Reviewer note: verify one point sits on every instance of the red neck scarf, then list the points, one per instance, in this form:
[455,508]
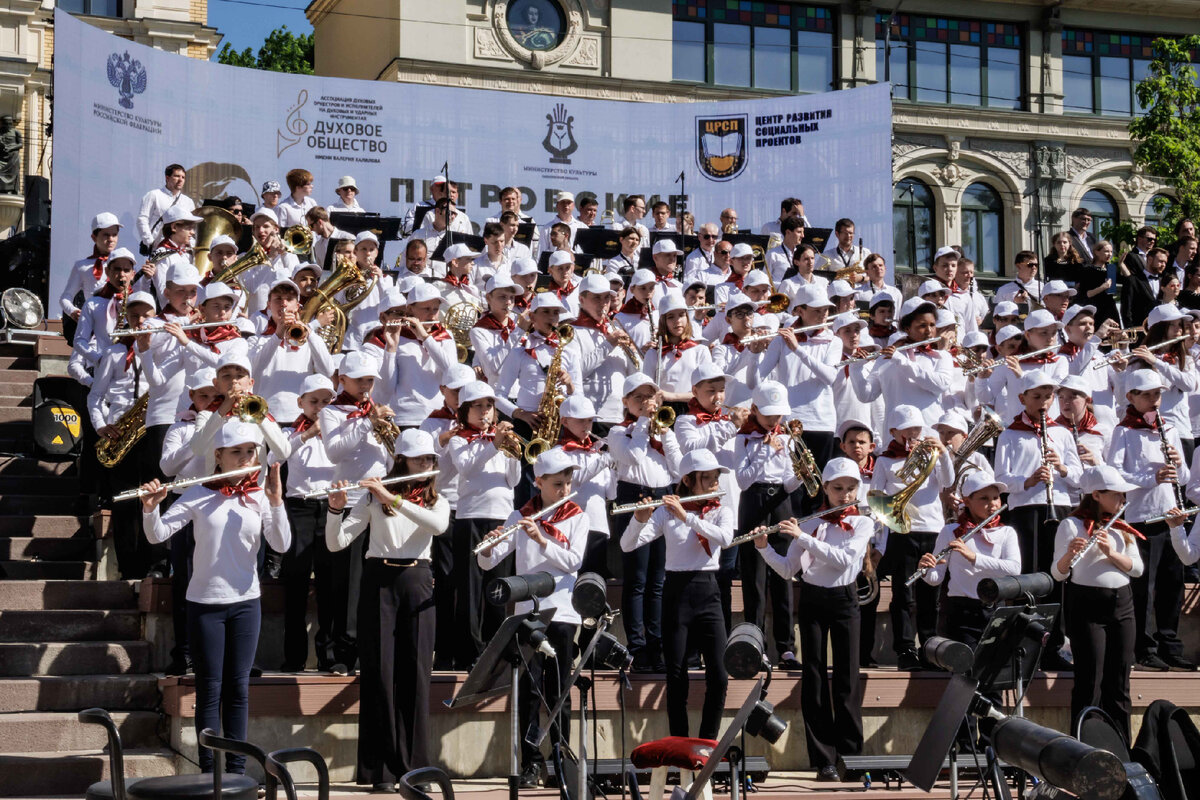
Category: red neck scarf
[704,417]
[271,326]
[838,518]
[965,524]
[458,281]
[678,349]
[435,330]
[562,292]
[896,449]
[213,336]
[302,424]
[1146,422]
[951,285]
[751,427]
[669,280]
[551,341]
[108,292]
[1070,350]
[167,244]
[867,470]
[1090,525]
[735,340]
[362,408]
[560,514]
[129,343]
[471,433]
[1022,422]
[416,495]
[586,321]
[634,306]
[241,490]
[1085,425]
[375,337]
[1044,358]
[443,413]
[736,280]
[655,443]
[700,508]
[98,266]
[877,331]
[568,442]
[488,322]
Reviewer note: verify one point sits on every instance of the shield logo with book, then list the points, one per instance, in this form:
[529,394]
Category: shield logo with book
[721,146]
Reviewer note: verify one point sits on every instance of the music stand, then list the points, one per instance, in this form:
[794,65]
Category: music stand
[817,237]
[718,753]
[386,229]
[498,670]
[602,243]
[476,243]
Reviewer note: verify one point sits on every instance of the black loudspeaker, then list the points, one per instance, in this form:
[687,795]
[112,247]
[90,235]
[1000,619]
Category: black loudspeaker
[58,423]
[37,201]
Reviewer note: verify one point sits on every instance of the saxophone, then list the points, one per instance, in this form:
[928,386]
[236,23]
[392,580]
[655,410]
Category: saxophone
[546,435]
[132,425]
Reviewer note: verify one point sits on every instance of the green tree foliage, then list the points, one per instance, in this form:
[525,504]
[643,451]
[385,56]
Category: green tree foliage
[283,51]
[1168,134]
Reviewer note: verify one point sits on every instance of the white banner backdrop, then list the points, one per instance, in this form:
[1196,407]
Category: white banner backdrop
[123,111]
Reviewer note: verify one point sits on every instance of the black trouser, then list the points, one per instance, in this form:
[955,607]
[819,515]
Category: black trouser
[822,445]
[693,622]
[524,489]
[1101,625]
[136,556]
[643,572]
[829,621]
[963,618]
[183,544]
[397,623]
[224,637]
[766,504]
[444,597]
[866,631]
[1160,587]
[1035,536]
[727,572]
[913,608]
[595,556]
[309,556]
[550,683]
[475,620]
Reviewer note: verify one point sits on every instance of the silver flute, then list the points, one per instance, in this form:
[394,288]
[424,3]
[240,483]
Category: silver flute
[945,551]
[900,349]
[1095,537]
[328,490]
[511,529]
[629,508]
[1021,357]
[134,494]
[191,326]
[767,531]
[766,337]
[1111,358]
[1187,512]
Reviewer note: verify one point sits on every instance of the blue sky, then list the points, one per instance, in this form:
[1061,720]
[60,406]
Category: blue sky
[244,25]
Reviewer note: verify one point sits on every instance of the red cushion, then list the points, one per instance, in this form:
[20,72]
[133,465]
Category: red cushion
[673,751]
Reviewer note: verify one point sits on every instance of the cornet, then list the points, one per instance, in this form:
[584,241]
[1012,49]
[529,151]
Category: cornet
[1023,357]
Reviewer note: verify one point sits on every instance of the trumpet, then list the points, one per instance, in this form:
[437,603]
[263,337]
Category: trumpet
[513,445]
[900,349]
[662,420]
[629,508]
[1111,358]
[770,529]
[134,494]
[295,334]
[804,466]
[511,529]
[1095,537]
[320,494]
[250,408]
[1023,357]
[945,551]
[192,326]
[1187,512]
[777,301]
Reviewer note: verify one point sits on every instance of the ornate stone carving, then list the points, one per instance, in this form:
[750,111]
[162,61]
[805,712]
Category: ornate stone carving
[951,216]
[540,59]
[1137,183]
[949,174]
[1085,159]
[1051,162]
[1012,154]
[953,147]
[486,46]
[587,55]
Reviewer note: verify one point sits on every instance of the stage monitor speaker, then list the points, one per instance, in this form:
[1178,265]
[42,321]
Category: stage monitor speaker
[37,201]
[57,422]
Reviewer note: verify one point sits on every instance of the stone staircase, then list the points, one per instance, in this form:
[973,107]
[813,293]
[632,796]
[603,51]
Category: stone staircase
[69,640]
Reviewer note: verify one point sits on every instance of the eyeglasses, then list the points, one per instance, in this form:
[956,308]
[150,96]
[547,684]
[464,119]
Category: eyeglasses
[708,236]
[724,251]
[739,313]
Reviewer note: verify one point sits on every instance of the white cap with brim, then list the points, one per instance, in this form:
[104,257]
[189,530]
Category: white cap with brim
[1103,478]
[840,467]
[1006,308]
[423,293]
[974,339]
[1057,287]
[914,305]
[641,277]
[201,379]
[552,462]
[932,287]
[945,251]
[741,250]
[811,295]
[1143,380]
[672,301]
[235,432]
[737,300]
[840,288]
[1036,378]
[121,254]
[547,300]
[183,275]
[358,365]
[1040,319]
[1074,311]
[524,266]
[475,390]
[665,246]
[636,381]
[502,280]
[560,257]
[233,358]
[904,417]
[1006,333]
[178,213]
[956,420]
[1167,312]
[847,320]
[346,182]
[700,461]
[978,481]
[881,297]
[142,297]
[771,398]
[105,219]
[945,319]
[267,213]
[755,277]
[459,376]
[222,241]
[596,284]
[392,298]
[414,443]
[577,407]
[849,423]
[365,236]
[275,284]
[316,383]
[457,251]
[1076,383]
[707,371]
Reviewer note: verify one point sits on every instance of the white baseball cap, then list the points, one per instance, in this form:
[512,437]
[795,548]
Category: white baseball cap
[672,301]
[1103,478]
[841,288]
[840,467]
[945,251]
[1057,287]
[142,297]
[755,277]
[283,282]
[1143,380]
[811,295]
[740,250]
[636,381]
[1167,312]
[979,480]
[201,378]
[365,236]
[1040,319]
[263,211]
[905,416]
[183,275]
[235,432]
[561,196]
[178,213]
[122,254]
[1006,333]
[771,398]
[665,246]
[932,287]
[219,240]
[105,219]
[849,423]
[553,462]
[577,406]
[881,297]
[917,304]
[846,320]
[700,461]
[641,277]
[524,266]
[392,298]
[547,300]
[423,293]
[414,443]
[974,339]
[1036,378]
[736,300]
[707,371]
[457,251]
[317,382]
[1074,311]
[233,358]
[475,390]
[956,420]
[596,284]
[459,376]
[1006,308]
[503,280]
[356,364]
[1076,383]
[560,257]
[945,318]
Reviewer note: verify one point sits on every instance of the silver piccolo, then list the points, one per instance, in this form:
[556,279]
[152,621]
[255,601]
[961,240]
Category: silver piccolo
[1095,537]
[328,490]
[945,551]
[900,349]
[766,337]
[1187,512]
[1111,358]
[134,494]
[767,531]
[1021,357]
[629,508]
[191,326]
[511,529]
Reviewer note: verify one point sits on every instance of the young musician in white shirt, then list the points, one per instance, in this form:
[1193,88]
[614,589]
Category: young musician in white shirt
[300,187]
[595,478]
[495,335]
[88,273]
[417,357]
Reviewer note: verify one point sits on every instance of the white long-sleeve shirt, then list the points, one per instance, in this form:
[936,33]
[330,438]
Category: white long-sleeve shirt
[407,534]
[81,279]
[636,459]
[154,204]
[228,532]
[685,539]
[486,477]
[603,367]
[279,369]
[114,388]
[209,424]
[997,553]
[756,461]
[1019,455]
[309,466]
[595,481]
[677,369]
[808,373]
[352,446]
[1137,454]
[411,379]
[918,378]
[825,554]
[1094,569]
[1186,543]
[925,508]
[179,461]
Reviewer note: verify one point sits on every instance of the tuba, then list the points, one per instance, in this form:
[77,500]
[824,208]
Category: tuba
[892,510]
[459,319]
[803,464]
[215,221]
[346,276]
[132,425]
[546,435]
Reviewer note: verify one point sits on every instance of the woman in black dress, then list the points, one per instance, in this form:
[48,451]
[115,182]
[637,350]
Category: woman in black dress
[1062,263]
[1093,284]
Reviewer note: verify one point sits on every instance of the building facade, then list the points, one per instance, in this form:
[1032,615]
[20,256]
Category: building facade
[27,61]
[1007,114]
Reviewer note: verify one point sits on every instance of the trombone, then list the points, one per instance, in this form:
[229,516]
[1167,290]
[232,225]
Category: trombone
[193,326]
[770,529]
[511,529]
[320,494]
[629,508]
[1111,358]
[133,494]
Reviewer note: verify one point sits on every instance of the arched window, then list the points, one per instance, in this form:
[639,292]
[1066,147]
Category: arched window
[982,227]
[912,225]
[1157,209]
[1104,211]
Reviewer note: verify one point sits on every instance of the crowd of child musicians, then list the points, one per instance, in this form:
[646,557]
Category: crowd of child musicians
[1086,430]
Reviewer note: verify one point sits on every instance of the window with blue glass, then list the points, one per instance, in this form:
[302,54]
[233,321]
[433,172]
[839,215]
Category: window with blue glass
[1101,71]
[912,225]
[94,8]
[956,61]
[772,46]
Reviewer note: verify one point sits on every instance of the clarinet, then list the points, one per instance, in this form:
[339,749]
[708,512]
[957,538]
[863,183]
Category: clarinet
[1053,513]
[1166,451]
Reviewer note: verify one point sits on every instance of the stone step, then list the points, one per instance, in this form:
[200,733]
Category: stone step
[29,659]
[17,467]
[25,503]
[77,692]
[54,773]
[18,359]
[15,378]
[50,595]
[61,486]
[49,526]
[15,400]
[34,549]
[15,414]
[46,731]
[48,570]
[69,626]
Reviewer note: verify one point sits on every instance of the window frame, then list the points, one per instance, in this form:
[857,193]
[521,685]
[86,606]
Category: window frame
[89,9]
[1096,58]
[910,209]
[977,225]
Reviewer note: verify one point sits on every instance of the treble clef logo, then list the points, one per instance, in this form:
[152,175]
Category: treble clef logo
[294,127]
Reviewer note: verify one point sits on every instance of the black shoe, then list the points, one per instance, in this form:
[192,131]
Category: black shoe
[1151,663]
[908,661]
[1179,663]
[273,567]
[339,669]
[178,666]
[293,668]
[530,777]
[790,664]
[828,774]
[1054,662]
[869,663]
[694,662]
[383,788]
[255,671]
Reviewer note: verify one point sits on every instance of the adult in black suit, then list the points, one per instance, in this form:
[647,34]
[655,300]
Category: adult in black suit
[1135,259]
[1083,241]
[1140,288]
